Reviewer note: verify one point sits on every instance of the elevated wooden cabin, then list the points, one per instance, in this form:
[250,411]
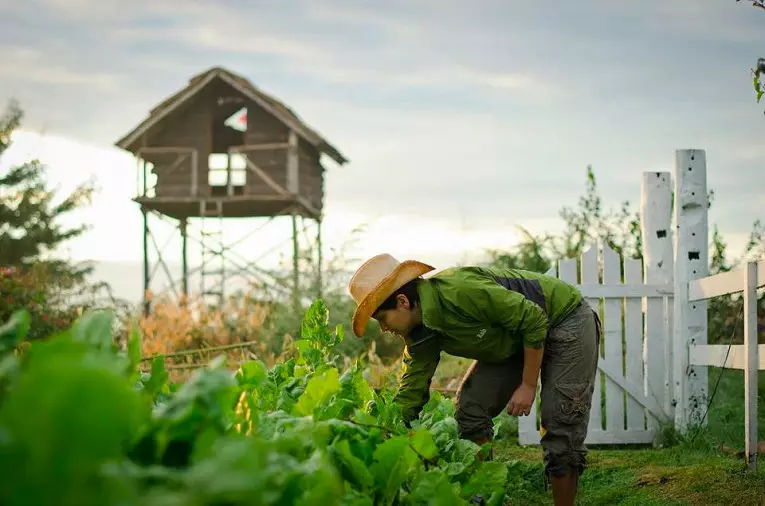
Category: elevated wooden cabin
[222,147]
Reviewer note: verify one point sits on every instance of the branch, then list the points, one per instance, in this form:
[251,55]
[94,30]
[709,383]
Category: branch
[760,4]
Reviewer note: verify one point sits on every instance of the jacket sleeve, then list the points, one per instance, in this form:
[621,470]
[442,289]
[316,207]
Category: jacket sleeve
[493,303]
[420,363]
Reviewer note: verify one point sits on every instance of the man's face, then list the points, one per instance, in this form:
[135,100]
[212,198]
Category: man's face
[399,320]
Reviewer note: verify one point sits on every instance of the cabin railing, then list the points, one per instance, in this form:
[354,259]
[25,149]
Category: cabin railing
[183,155]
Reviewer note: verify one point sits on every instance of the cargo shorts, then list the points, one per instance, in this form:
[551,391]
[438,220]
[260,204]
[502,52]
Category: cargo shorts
[568,372]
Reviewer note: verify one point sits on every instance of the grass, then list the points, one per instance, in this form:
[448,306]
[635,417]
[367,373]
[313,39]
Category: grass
[694,469]
[674,476]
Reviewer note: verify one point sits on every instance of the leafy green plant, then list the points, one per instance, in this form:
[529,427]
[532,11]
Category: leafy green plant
[81,425]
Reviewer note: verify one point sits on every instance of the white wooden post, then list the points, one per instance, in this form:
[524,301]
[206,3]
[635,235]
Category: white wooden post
[691,254]
[751,365]
[658,262]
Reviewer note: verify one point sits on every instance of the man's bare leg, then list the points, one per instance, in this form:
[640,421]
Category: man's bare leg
[564,489]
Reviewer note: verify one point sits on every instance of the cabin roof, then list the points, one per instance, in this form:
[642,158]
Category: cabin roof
[197,83]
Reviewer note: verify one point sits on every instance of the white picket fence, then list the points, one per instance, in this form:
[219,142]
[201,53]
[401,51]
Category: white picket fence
[654,313]
[630,387]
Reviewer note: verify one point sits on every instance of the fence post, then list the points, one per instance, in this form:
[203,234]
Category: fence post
[751,365]
[691,262]
[658,261]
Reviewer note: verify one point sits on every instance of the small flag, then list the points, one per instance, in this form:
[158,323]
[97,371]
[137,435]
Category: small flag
[238,120]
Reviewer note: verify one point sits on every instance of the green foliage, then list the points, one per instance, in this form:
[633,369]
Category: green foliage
[620,229]
[29,213]
[332,287]
[37,291]
[584,225]
[80,425]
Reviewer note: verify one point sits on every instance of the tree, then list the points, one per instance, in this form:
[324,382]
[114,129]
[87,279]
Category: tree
[54,291]
[584,226]
[29,214]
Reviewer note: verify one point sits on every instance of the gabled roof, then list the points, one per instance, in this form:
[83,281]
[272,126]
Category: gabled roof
[246,88]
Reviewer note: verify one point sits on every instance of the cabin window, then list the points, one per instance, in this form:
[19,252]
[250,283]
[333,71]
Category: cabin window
[223,166]
[218,164]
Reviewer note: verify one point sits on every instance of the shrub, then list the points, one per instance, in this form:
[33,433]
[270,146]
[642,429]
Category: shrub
[41,293]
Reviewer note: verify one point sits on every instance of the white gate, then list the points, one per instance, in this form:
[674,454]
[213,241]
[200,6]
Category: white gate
[633,389]
[631,385]
[654,350]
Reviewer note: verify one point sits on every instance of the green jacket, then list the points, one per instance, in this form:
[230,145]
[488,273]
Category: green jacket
[485,314]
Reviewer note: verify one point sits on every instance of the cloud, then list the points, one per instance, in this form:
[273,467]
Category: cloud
[483,114]
[27,65]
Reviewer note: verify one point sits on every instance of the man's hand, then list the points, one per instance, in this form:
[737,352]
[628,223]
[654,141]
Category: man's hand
[523,398]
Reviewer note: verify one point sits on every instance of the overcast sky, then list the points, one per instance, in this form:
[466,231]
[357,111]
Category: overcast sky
[461,119]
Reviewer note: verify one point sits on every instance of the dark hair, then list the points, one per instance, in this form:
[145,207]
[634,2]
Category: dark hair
[409,290]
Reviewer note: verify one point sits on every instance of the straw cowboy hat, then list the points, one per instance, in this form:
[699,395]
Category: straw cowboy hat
[376,280]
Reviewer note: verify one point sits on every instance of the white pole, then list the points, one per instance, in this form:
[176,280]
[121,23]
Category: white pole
[691,262]
[658,262]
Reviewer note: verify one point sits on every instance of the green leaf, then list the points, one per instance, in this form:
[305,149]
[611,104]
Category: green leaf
[14,331]
[758,88]
[318,390]
[434,489]
[394,459]
[488,482]
[134,346]
[95,329]
[424,444]
[252,373]
[352,468]
[66,420]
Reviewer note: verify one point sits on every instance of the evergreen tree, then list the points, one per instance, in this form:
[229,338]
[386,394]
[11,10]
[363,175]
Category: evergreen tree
[30,212]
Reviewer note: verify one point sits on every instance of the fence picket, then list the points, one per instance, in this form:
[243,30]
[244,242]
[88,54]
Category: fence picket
[633,341]
[612,342]
[590,270]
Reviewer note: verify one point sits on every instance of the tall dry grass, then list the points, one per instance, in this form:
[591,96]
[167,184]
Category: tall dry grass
[190,334]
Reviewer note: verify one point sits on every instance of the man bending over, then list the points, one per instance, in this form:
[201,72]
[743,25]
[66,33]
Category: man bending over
[519,327]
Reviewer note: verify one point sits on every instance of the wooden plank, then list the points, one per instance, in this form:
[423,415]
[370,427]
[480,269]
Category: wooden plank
[589,269]
[265,177]
[724,283]
[293,172]
[263,146]
[235,198]
[751,366]
[633,342]
[619,291]
[612,337]
[165,149]
[634,391]
[194,173]
[714,355]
